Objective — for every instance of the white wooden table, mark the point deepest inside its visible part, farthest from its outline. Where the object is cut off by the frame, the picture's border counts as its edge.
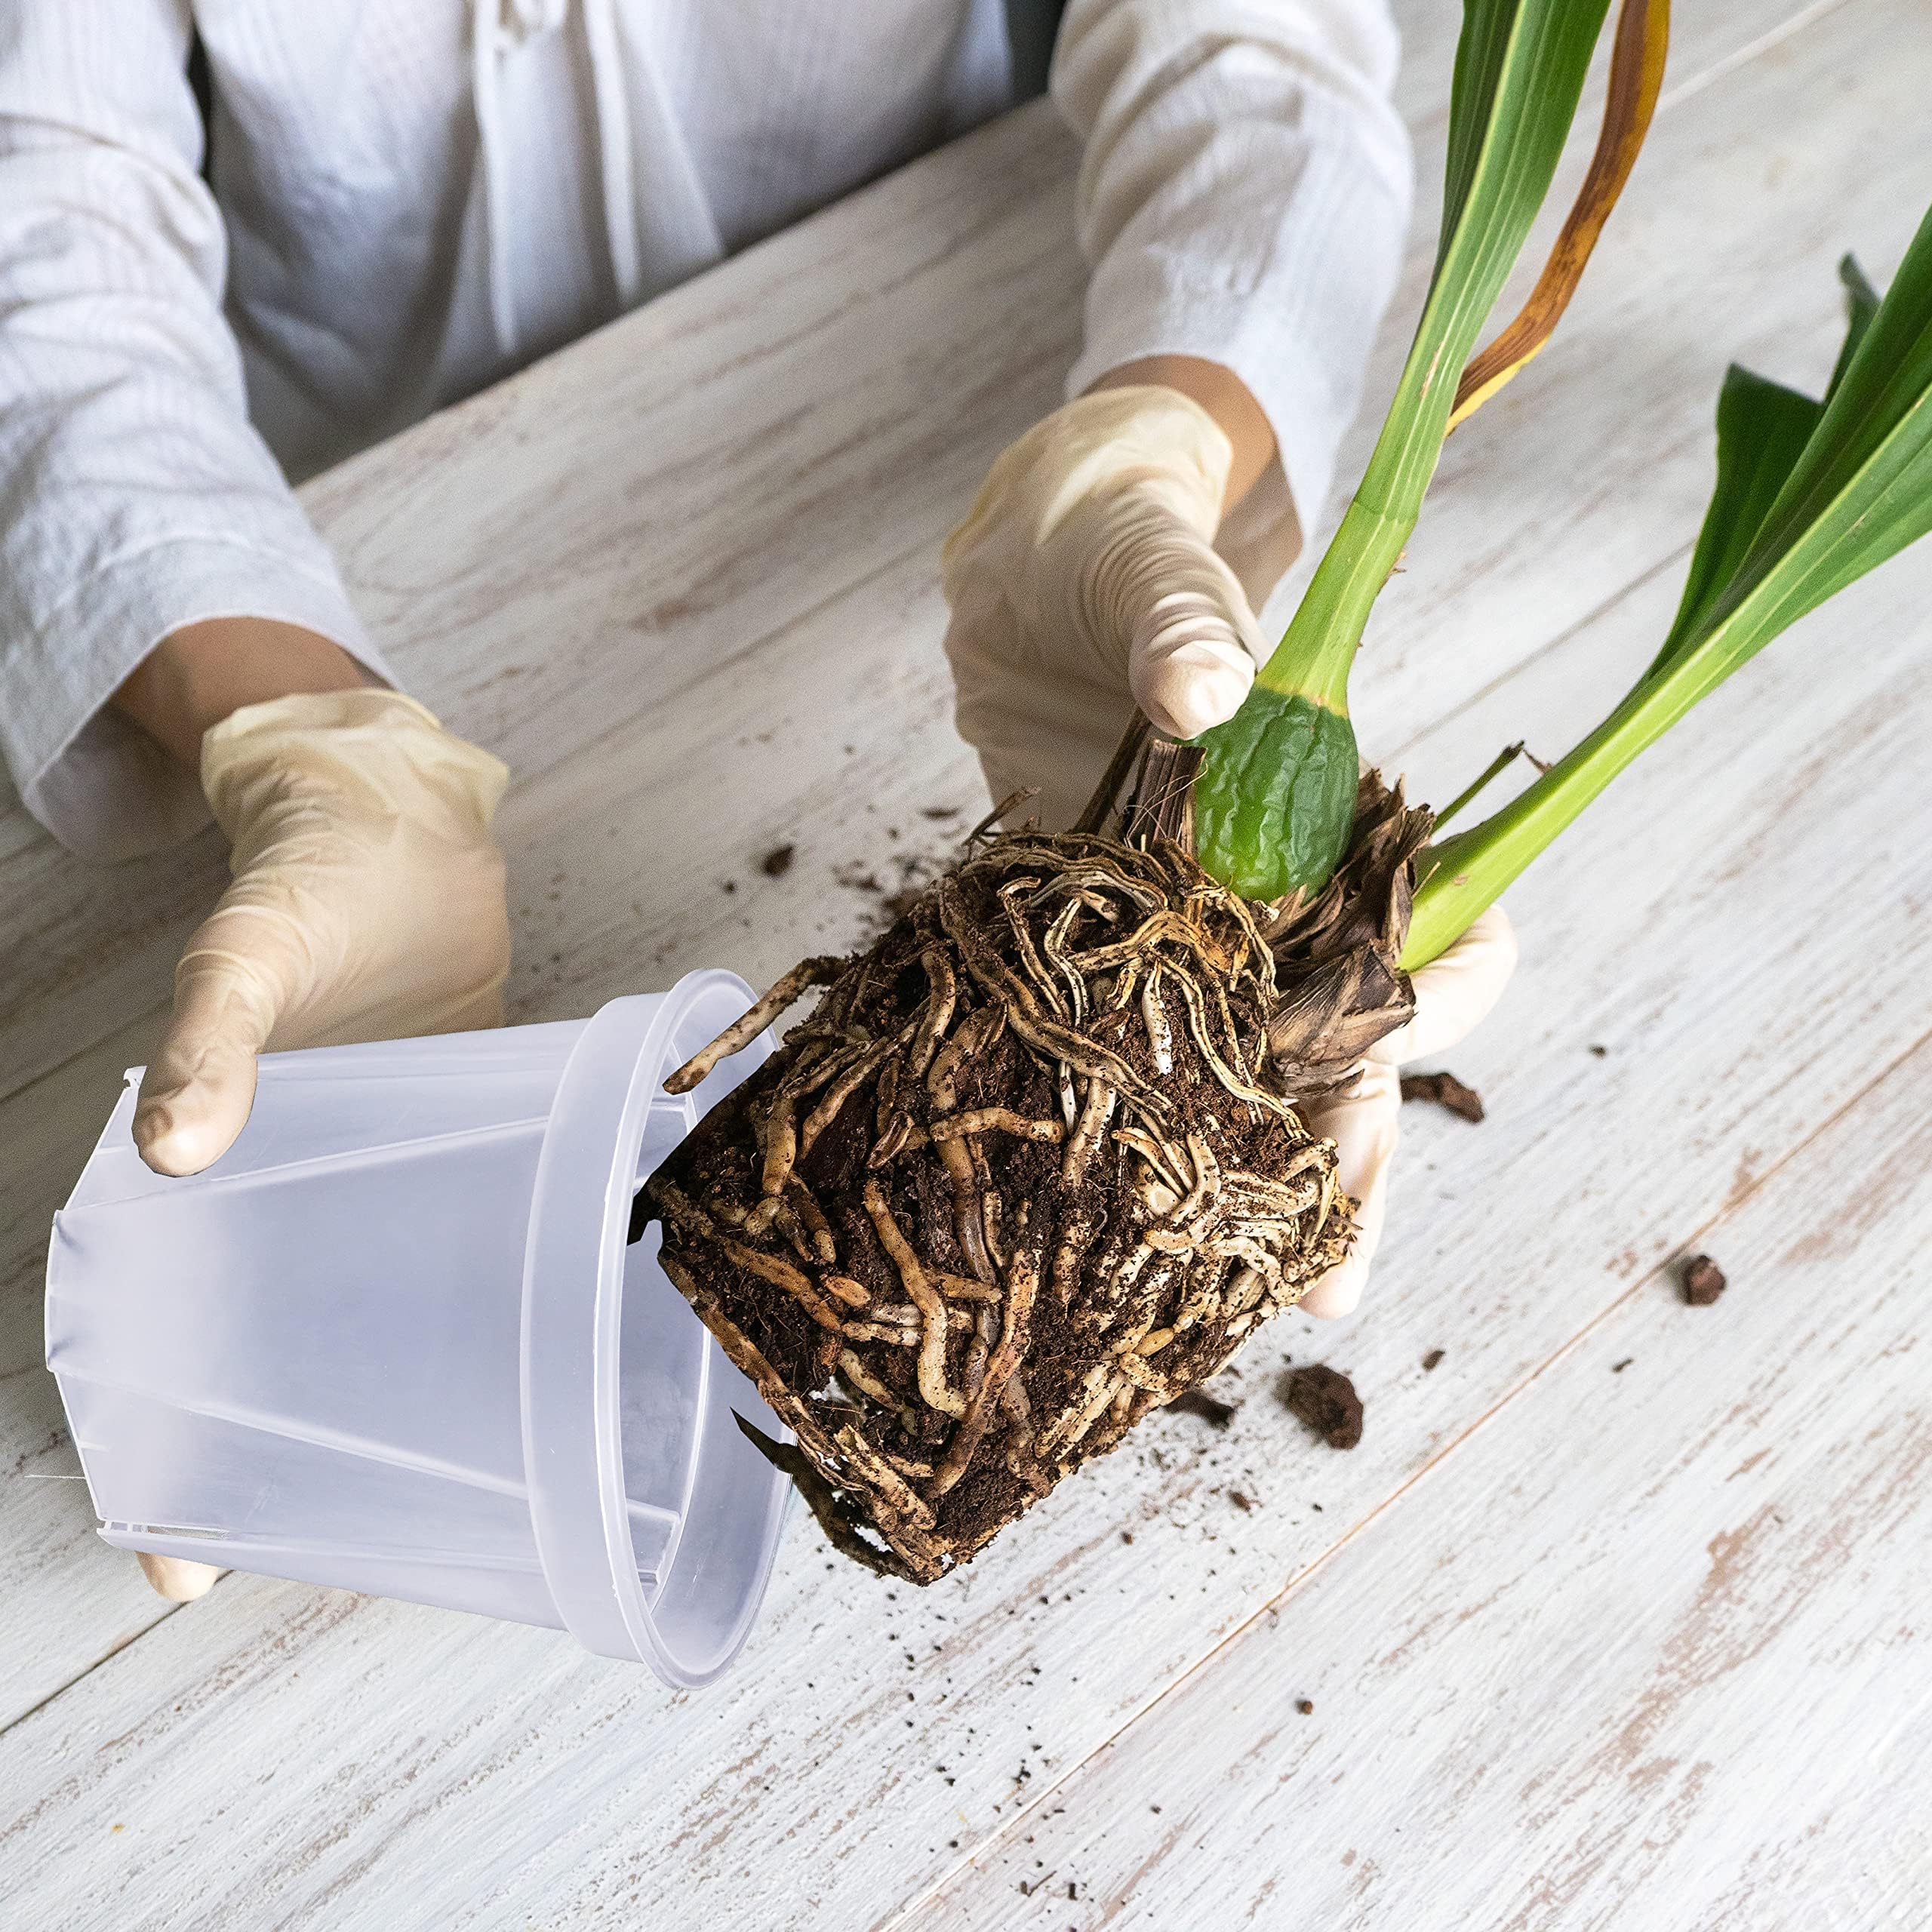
(1616, 1618)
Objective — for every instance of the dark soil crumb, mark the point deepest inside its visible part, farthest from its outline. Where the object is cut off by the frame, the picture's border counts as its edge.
(1326, 1400)
(777, 861)
(1215, 1414)
(731, 885)
(1240, 1501)
(941, 812)
(1703, 1280)
(1618, 1367)
(1127, 1535)
(1432, 1361)
(1599, 1051)
(1446, 1091)
(1305, 1706)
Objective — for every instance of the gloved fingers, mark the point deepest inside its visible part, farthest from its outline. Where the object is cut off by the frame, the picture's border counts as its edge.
(1187, 669)
(1086, 570)
(369, 754)
(177, 1578)
(1037, 727)
(1364, 1126)
(389, 974)
(1155, 594)
(198, 1089)
(1455, 992)
(423, 1009)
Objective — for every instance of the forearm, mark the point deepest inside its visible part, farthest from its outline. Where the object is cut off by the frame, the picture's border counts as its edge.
(200, 674)
(1225, 397)
(136, 499)
(1242, 198)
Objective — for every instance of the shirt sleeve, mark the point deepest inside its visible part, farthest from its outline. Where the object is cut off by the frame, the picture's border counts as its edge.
(1243, 197)
(135, 497)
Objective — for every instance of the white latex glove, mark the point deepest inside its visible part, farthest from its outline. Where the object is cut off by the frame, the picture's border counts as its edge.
(1085, 571)
(368, 904)
(1453, 996)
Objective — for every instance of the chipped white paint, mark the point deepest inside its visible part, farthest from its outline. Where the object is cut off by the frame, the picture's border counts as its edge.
(709, 530)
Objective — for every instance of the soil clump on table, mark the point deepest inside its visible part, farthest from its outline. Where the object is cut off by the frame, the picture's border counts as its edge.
(1445, 1090)
(1702, 1281)
(1326, 1400)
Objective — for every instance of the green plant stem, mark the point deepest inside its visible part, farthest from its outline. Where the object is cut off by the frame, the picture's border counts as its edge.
(1501, 763)
(1808, 499)
(1275, 795)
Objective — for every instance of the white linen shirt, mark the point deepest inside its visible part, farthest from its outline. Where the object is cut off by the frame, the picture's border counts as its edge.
(407, 199)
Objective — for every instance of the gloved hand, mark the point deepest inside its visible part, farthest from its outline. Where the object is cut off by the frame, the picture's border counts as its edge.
(1085, 571)
(368, 904)
(1453, 996)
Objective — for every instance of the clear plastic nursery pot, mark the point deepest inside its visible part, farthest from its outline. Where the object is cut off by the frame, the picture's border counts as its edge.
(395, 1339)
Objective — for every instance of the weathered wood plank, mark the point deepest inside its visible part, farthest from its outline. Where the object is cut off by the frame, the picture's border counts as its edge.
(476, 1764)
(359, 1747)
(557, 578)
(1649, 1650)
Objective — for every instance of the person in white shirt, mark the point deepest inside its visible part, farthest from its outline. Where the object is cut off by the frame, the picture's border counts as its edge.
(375, 208)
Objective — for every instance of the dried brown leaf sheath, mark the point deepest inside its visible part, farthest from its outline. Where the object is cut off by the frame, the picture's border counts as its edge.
(1029, 1170)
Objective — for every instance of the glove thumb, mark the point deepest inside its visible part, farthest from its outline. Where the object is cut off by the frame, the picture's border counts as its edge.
(1363, 1123)
(1192, 644)
(198, 1088)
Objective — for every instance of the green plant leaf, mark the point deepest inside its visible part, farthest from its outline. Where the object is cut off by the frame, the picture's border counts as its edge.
(1636, 80)
(1861, 302)
(1762, 430)
(1520, 67)
(1858, 491)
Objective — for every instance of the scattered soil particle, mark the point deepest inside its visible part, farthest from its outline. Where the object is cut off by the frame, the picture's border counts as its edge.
(1326, 1400)
(1432, 1361)
(777, 861)
(1217, 1414)
(1305, 1706)
(1240, 1501)
(1703, 1280)
(940, 812)
(1599, 1051)
(731, 885)
(1446, 1091)
(1618, 1367)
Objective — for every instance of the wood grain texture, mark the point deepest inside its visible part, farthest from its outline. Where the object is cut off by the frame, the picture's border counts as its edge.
(674, 551)
(559, 581)
(1649, 1650)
